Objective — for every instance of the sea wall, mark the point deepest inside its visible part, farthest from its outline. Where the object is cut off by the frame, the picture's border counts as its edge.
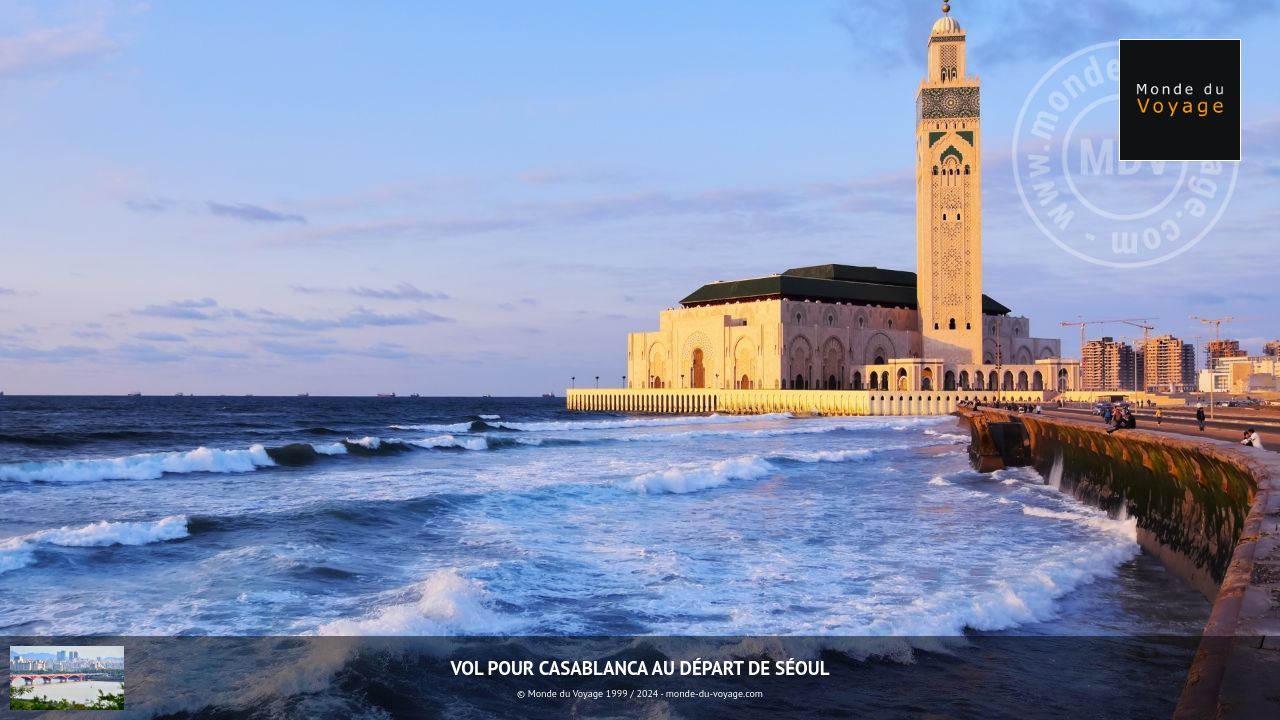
(1210, 510)
(806, 402)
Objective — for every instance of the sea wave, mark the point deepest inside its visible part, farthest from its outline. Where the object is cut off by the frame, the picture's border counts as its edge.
(680, 480)
(144, 466)
(17, 552)
(446, 603)
(692, 477)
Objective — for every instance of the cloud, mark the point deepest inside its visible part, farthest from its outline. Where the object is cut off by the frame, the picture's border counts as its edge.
(526, 301)
(160, 337)
(202, 309)
(144, 353)
(151, 206)
(48, 50)
(320, 350)
(402, 291)
(8, 291)
(358, 318)
(62, 353)
(254, 213)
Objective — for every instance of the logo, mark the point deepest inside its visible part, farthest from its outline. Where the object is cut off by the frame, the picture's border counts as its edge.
(1082, 196)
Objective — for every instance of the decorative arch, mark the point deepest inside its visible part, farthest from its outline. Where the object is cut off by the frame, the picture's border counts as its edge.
(1037, 381)
(659, 372)
(746, 374)
(1022, 379)
(949, 380)
(696, 359)
(1046, 352)
(1063, 380)
(1023, 356)
(926, 379)
(833, 362)
(879, 348)
(801, 362)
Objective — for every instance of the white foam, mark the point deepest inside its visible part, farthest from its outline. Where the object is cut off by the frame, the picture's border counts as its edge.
(449, 428)
(938, 480)
(331, 449)
(17, 552)
(451, 441)
(145, 466)
(490, 417)
(687, 479)
(447, 604)
(834, 456)
(1124, 527)
(368, 441)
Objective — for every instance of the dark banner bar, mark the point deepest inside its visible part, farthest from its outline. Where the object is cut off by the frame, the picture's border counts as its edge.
(637, 677)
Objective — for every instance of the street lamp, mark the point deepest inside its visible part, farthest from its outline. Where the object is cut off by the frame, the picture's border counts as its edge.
(597, 382)
(681, 381)
(624, 381)
(573, 381)
(717, 379)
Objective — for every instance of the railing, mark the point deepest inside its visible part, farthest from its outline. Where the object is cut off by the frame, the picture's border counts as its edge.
(805, 402)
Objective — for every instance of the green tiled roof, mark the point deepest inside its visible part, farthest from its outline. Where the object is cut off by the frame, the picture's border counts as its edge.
(826, 283)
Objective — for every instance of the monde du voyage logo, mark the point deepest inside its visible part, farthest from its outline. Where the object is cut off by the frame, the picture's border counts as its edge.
(1125, 152)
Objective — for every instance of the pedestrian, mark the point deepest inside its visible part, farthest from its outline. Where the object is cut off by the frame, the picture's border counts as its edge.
(1252, 439)
(1159, 416)
(1106, 415)
(1200, 416)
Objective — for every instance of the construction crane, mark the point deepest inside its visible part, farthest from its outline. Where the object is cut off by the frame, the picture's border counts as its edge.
(1082, 322)
(1216, 323)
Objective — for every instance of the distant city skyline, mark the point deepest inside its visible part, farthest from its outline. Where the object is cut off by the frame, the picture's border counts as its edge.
(86, 651)
(485, 198)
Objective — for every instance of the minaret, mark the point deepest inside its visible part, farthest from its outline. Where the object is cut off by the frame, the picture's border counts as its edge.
(949, 201)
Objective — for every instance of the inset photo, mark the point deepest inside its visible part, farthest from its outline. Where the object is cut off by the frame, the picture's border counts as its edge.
(66, 677)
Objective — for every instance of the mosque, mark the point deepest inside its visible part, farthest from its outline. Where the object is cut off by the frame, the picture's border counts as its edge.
(844, 327)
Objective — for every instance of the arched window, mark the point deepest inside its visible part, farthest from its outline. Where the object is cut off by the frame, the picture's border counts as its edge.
(964, 379)
(857, 380)
(800, 382)
(966, 169)
(798, 316)
(948, 380)
(902, 379)
(935, 326)
(879, 360)
(831, 320)
(935, 169)
(862, 322)
(875, 380)
(889, 323)
(951, 325)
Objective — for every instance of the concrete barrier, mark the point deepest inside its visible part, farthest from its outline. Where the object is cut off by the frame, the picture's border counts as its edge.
(1210, 510)
(803, 402)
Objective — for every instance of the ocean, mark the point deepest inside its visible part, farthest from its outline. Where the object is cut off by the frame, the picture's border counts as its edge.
(315, 516)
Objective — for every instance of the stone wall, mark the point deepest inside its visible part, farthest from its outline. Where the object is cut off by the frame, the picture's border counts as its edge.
(1210, 510)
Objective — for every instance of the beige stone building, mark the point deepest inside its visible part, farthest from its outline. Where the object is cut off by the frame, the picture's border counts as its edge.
(1169, 365)
(865, 328)
(1107, 365)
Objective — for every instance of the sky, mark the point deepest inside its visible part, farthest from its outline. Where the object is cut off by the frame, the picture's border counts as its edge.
(485, 197)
